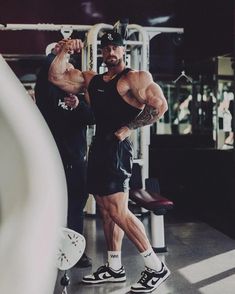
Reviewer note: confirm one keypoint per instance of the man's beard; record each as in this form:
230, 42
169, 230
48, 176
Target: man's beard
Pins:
113, 63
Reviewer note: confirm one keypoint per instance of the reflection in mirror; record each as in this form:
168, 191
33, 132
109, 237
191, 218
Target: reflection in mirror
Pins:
225, 132
199, 109
203, 106
191, 109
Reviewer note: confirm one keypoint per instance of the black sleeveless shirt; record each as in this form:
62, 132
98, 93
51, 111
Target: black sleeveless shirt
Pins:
110, 110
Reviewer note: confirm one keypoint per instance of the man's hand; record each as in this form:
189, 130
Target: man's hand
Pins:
71, 101
71, 45
123, 133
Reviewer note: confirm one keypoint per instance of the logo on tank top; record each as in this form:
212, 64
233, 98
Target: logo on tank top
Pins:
100, 90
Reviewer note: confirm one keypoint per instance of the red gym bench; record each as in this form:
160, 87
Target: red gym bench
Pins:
158, 205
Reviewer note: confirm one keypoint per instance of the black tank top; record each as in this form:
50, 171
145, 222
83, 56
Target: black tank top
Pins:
110, 110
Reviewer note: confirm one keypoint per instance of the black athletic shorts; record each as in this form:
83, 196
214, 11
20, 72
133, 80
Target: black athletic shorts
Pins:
109, 166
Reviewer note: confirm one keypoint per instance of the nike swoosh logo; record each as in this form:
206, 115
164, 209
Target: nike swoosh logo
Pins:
100, 90
104, 276
154, 282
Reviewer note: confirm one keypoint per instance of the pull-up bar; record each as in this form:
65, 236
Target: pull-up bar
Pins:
43, 27
75, 27
67, 29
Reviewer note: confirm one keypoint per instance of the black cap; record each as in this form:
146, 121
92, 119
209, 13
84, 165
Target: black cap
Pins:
111, 38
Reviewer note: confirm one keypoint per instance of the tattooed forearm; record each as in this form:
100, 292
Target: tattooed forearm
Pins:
148, 116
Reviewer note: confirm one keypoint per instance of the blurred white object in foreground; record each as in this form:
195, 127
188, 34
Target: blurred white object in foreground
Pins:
33, 196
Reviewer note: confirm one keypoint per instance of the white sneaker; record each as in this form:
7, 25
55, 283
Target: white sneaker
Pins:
150, 280
105, 274
227, 146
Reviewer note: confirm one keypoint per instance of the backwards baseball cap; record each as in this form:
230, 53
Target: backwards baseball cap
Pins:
111, 38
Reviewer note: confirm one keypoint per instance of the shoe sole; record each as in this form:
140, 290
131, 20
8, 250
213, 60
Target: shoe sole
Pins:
111, 280
155, 287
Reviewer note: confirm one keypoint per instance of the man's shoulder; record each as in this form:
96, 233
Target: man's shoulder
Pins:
88, 75
134, 72
138, 75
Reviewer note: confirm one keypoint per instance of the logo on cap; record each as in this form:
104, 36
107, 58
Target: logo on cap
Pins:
110, 37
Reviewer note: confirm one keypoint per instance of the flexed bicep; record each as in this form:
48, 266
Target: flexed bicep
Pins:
155, 99
71, 81
150, 94
68, 79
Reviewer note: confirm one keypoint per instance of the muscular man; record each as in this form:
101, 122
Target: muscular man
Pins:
122, 100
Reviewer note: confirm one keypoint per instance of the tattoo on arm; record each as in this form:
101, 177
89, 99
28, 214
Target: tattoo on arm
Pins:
148, 116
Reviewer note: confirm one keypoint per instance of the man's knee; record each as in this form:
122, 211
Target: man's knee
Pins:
105, 214
118, 215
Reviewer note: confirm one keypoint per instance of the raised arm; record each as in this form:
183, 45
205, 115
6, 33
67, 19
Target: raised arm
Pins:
147, 92
68, 79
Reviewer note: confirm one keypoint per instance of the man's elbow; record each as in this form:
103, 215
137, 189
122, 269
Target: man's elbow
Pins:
162, 107
60, 83
52, 78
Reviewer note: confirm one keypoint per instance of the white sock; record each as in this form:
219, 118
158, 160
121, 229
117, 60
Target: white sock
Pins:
151, 260
114, 260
